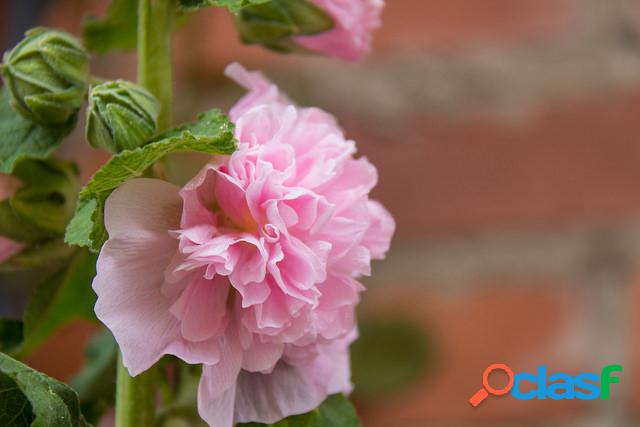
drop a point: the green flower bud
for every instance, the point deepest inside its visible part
(47, 74)
(121, 116)
(272, 24)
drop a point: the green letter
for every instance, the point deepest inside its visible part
(606, 380)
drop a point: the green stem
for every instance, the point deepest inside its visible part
(155, 25)
(135, 397)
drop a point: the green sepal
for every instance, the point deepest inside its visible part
(121, 116)
(273, 24)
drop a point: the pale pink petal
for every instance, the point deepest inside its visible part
(8, 185)
(354, 22)
(129, 283)
(142, 207)
(216, 391)
(268, 398)
(216, 408)
(9, 248)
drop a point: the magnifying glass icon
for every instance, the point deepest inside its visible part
(486, 389)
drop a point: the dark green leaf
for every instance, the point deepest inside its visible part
(233, 5)
(96, 383)
(62, 297)
(22, 138)
(336, 411)
(390, 355)
(30, 398)
(212, 133)
(15, 410)
(118, 30)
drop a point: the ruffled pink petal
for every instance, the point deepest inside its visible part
(261, 356)
(202, 308)
(381, 229)
(261, 90)
(198, 196)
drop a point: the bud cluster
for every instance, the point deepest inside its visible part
(47, 75)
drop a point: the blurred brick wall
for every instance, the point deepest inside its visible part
(506, 133)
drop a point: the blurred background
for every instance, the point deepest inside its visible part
(506, 135)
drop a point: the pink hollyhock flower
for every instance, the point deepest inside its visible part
(354, 22)
(250, 269)
(8, 185)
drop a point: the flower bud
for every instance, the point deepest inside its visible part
(273, 24)
(47, 75)
(121, 116)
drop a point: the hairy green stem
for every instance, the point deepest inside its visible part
(135, 397)
(155, 25)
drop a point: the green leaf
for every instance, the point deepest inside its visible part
(30, 398)
(60, 298)
(390, 355)
(336, 411)
(212, 133)
(233, 5)
(96, 384)
(22, 138)
(118, 30)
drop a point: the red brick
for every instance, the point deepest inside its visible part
(455, 24)
(574, 163)
(62, 355)
(494, 322)
(632, 317)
